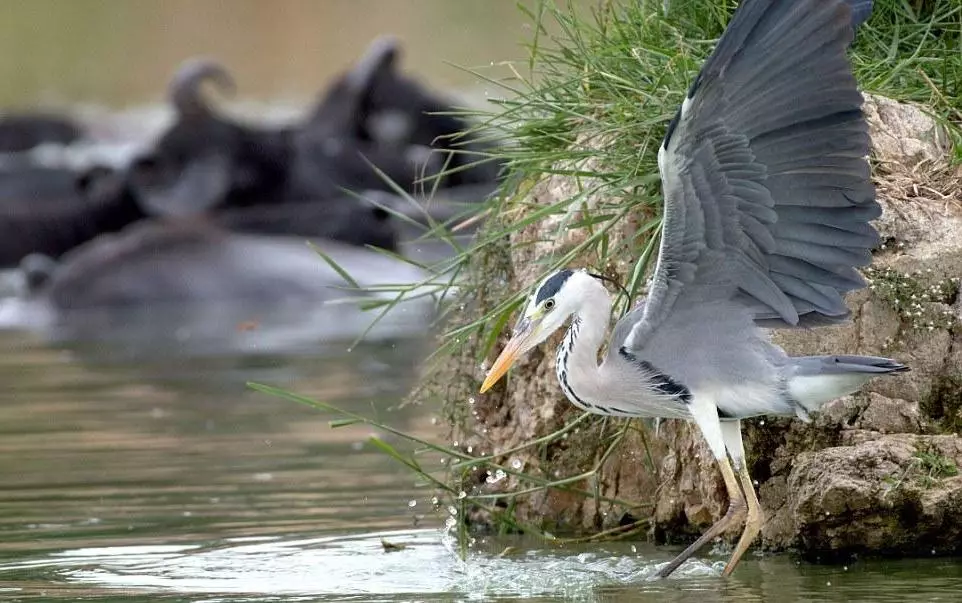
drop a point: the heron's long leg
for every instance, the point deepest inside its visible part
(732, 434)
(706, 417)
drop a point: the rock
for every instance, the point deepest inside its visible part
(890, 415)
(903, 133)
(883, 496)
(915, 182)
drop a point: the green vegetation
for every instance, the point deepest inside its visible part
(925, 470)
(932, 467)
(944, 404)
(911, 50)
(920, 300)
(590, 106)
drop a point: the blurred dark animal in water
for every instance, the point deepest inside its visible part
(101, 201)
(203, 160)
(345, 219)
(158, 262)
(373, 129)
(219, 210)
(24, 131)
(393, 114)
(98, 202)
(25, 185)
(174, 283)
(206, 161)
(334, 149)
(394, 111)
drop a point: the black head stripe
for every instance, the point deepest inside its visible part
(551, 286)
(606, 279)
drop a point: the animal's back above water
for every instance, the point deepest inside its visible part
(157, 263)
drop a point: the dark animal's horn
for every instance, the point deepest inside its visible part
(184, 88)
(380, 57)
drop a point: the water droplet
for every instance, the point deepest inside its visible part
(469, 449)
(471, 400)
(516, 464)
(452, 511)
(462, 494)
(412, 503)
(435, 501)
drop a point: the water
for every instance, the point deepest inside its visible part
(161, 477)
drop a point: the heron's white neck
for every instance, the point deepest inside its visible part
(577, 361)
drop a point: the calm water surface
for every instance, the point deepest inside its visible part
(163, 478)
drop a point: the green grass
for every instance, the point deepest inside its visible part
(590, 103)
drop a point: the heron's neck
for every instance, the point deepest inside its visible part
(577, 361)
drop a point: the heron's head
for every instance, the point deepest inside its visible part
(553, 301)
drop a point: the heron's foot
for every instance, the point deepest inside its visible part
(753, 522)
(735, 516)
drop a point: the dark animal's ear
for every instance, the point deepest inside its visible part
(91, 177)
(184, 88)
(379, 61)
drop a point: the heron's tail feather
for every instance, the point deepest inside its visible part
(816, 380)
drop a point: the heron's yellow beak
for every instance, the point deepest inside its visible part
(514, 348)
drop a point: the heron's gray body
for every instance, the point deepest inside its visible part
(757, 378)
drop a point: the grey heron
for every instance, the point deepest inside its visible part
(768, 202)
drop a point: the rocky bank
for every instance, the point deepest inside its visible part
(874, 473)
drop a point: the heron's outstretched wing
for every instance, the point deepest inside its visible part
(768, 195)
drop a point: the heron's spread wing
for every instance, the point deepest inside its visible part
(767, 188)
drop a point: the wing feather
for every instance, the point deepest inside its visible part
(768, 195)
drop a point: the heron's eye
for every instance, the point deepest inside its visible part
(548, 304)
